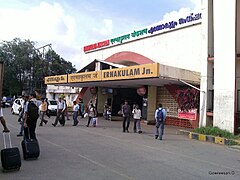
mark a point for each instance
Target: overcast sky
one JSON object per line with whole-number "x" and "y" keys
{"x": 71, "y": 24}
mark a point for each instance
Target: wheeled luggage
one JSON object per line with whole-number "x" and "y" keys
{"x": 10, "y": 156}
{"x": 30, "y": 148}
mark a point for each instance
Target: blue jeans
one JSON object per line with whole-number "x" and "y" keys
{"x": 75, "y": 115}
{"x": 137, "y": 125}
{"x": 159, "y": 129}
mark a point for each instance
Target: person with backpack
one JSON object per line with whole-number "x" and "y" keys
{"x": 160, "y": 116}
{"x": 31, "y": 114}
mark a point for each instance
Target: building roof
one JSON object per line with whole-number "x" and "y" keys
{"x": 91, "y": 65}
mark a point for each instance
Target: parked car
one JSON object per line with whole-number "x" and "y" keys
{"x": 16, "y": 105}
{"x": 52, "y": 107}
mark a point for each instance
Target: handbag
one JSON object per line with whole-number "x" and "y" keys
{"x": 120, "y": 112}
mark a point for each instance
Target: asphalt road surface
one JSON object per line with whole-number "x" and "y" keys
{"x": 106, "y": 153}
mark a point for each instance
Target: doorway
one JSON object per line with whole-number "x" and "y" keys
{"x": 120, "y": 95}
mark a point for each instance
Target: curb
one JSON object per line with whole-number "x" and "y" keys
{"x": 209, "y": 138}
{"x": 237, "y": 147}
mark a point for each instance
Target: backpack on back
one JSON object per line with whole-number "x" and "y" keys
{"x": 160, "y": 115}
{"x": 33, "y": 111}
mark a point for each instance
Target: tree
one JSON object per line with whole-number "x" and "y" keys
{"x": 25, "y": 68}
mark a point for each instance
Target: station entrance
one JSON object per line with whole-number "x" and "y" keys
{"x": 122, "y": 94}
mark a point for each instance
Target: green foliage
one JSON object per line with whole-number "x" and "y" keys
{"x": 232, "y": 143}
{"x": 25, "y": 68}
{"x": 215, "y": 131}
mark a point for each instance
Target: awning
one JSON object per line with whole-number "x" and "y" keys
{"x": 154, "y": 74}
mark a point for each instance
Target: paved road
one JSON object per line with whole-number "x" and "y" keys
{"x": 106, "y": 153}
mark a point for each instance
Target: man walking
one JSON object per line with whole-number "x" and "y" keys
{"x": 43, "y": 111}
{"x": 61, "y": 106}
{"x": 126, "y": 112}
{"x": 160, "y": 116}
{"x": 25, "y": 98}
{"x": 31, "y": 114}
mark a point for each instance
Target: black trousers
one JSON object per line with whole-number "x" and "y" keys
{"x": 60, "y": 114}
{"x": 29, "y": 132}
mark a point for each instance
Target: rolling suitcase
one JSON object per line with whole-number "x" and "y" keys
{"x": 10, "y": 156}
{"x": 30, "y": 148}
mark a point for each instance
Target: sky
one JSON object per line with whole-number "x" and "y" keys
{"x": 68, "y": 25}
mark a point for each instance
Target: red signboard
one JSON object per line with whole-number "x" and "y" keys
{"x": 96, "y": 46}
{"x": 191, "y": 114}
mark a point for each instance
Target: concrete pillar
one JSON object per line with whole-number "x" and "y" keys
{"x": 101, "y": 100}
{"x": 152, "y": 102}
{"x": 224, "y": 63}
{"x": 204, "y": 64}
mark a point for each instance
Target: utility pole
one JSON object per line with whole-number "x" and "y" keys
{"x": 42, "y": 53}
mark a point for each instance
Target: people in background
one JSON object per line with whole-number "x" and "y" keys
{"x": 81, "y": 107}
{"x": 126, "y": 113}
{"x": 160, "y": 116}
{"x": 107, "y": 111}
{"x": 43, "y": 111}
{"x": 61, "y": 106}
{"x": 92, "y": 113}
{"x": 48, "y": 111}
{"x": 75, "y": 113}
{"x": 137, "y": 118}
{"x": 66, "y": 110}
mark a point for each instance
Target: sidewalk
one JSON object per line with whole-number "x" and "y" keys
{"x": 170, "y": 132}
{"x": 147, "y": 129}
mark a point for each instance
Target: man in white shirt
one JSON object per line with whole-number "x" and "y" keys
{"x": 61, "y": 106}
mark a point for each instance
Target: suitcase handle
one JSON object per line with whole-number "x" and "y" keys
{"x": 24, "y": 135}
{"x": 4, "y": 139}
